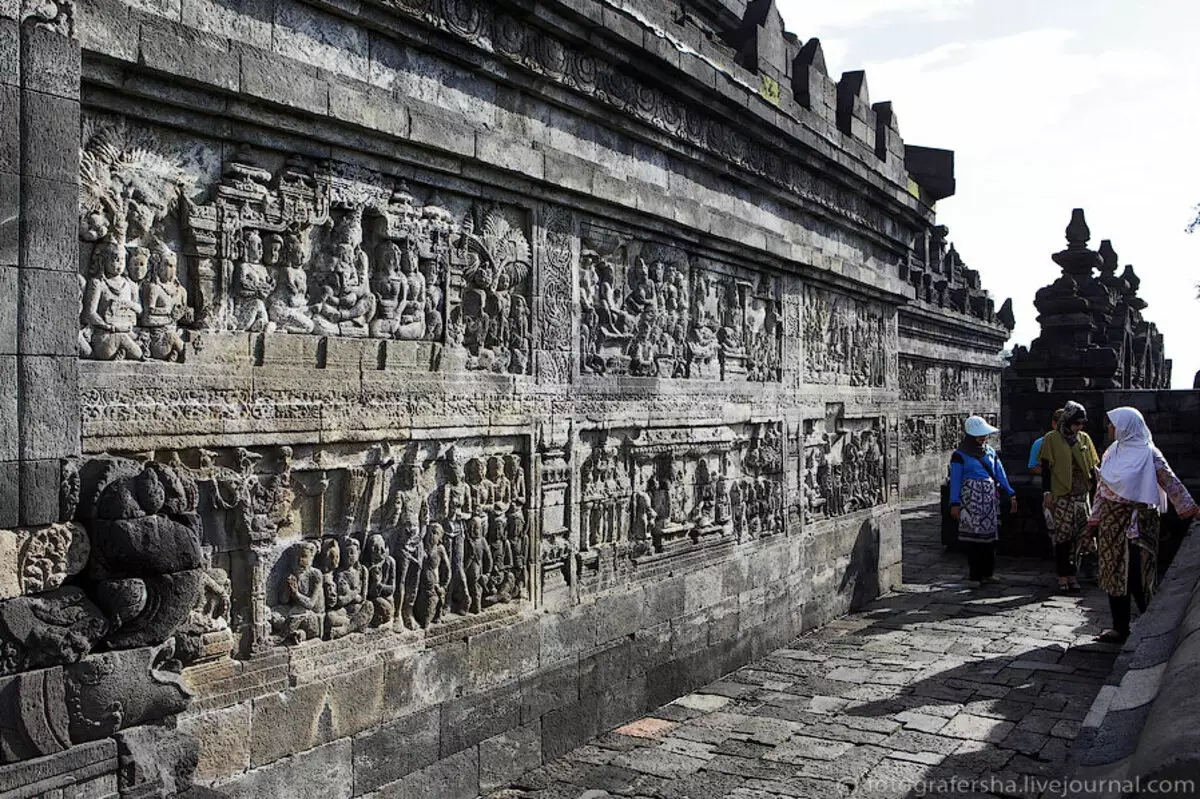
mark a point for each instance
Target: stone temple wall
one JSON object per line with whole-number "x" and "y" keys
{"x": 407, "y": 391}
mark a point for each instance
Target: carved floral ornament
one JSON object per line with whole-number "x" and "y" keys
{"x": 303, "y": 249}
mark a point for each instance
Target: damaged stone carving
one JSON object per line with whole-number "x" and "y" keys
{"x": 846, "y": 340}
{"x": 844, "y": 465}
{"x": 648, "y": 310}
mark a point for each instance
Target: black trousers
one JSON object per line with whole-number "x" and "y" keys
{"x": 1064, "y": 563}
{"x": 1122, "y": 606}
{"x": 981, "y": 559}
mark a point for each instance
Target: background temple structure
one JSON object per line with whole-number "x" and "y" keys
{"x": 403, "y": 392}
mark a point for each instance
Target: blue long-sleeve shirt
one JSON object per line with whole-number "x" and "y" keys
{"x": 965, "y": 467}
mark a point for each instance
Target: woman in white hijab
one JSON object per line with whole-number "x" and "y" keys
{"x": 1134, "y": 485}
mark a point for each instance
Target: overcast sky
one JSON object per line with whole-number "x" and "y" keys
{"x": 1049, "y": 105}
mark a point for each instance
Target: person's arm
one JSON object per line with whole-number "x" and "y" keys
{"x": 1001, "y": 475}
{"x": 1177, "y": 492}
{"x": 1046, "y": 477}
{"x": 1035, "y": 456}
{"x": 956, "y": 478}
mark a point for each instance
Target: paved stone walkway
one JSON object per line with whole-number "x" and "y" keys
{"x": 935, "y": 690}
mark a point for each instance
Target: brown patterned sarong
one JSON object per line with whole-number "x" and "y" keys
{"x": 1115, "y": 518}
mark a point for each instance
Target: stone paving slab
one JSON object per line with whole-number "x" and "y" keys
{"x": 934, "y": 690}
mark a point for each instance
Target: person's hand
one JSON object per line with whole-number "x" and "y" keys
{"x": 954, "y": 512}
{"x": 1093, "y": 523}
{"x": 1048, "y": 501}
{"x": 1012, "y": 505}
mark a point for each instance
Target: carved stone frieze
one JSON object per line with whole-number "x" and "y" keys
{"x": 921, "y": 433}
{"x": 656, "y": 489}
{"x": 844, "y": 464}
{"x": 512, "y": 37}
{"x": 846, "y": 341}
{"x": 301, "y": 248}
{"x": 650, "y": 310}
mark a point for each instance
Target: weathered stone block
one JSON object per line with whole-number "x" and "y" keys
{"x": 10, "y": 47}
{"x": 46, "y": 329}
{"x": 50, "y": 138}
{"x": 10, "y": 128}
{"x": 9, "y": 418}
{"x": 286, "y": 723}
{"x": 189, "y": 54}
{"x": 50, "y": 63}
{"x": 566, "y": 633}
{"x": 368, "y": 107}
{"x": 10, "y": 250}
{"x": 569, "y": 727}
{"x": 326, "y": 771}
{"x": 396, "y": 750}
{"x": 456, "y": 777}
{"x": 40, "y": 496}
{"x": 602, "y": 668}
{"x": 224, "y": 739}
{"x": 104, "y": 26}
{"x": 250, "y": 21}
{"x": 467, "y": 721}
{"x": 549, "y": 689}
{"x": 279, "y": 80}
{"x": 509, "y": 755}
{"x": 40, "y": 559}
{"x": 50, "y": 238}
{"x": 44, "y": 775}
{"x": 10, "y": 491}
{"x": 315, "y": 37}
{"x": 501, "y": 655}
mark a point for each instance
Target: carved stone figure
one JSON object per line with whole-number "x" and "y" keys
{"x": 348, "y": 610}
{"x": 252, "y": 285}
{"x": 111, "y": 306}
{"x": 164, "y": 306}
{"x": 381, "y": 580}
{"x": 300, "y": 614}
{"x": 346, "y": 304}
{"x": 477, "y": 564}
{"x": 435, "y": 577}
{"x": 289, "y": 307}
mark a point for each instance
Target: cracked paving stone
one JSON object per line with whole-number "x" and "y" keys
{"x": 977, "y": 728}
{"x": 801, "y": 748}
{"x": 921, "y": 722}
{"x": 659, "y": 763}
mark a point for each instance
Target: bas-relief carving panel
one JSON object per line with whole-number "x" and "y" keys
{"x": 846, "y": 341}
{"x": 655, "y": 490}
{"x": 176, "y": 243}
{"x": 843, "y": 463}
{"x": 921, "y": 381}
{"x": 654, "y": 310}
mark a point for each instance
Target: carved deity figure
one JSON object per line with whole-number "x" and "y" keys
{"x": 641, "y": 527}
{"x": 164, "y": 306}
{"x": 381, "y": 580}
{"x": 737, "y": 508}
{"x": 346, "y": 304}
{"x": 406, "y": 520}
{"x": 289, "y": 307}
{"x": 411, "y": 318}
{"x": 435, "y": 576}
{"x": 252, "y": 285}
{"x": 477, "y": 563}
{"x": 301, "y": 611}
{"x": 212, "y": 609}
{"x": 111, "y": 306}
{"x": 457, "y": 509}
{"x": 348, "y": 610}
{"x": 391, "y": 291}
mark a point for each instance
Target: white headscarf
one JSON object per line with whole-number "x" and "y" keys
{"x": 1128, "y": 465}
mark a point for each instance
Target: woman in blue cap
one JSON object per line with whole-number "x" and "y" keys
{"x": 976, "y": 479}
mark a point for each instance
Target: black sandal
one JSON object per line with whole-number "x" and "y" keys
{"x": 1112, "y": 637}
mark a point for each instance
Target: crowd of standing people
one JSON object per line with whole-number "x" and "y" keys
{"x": 1109, "y": 506}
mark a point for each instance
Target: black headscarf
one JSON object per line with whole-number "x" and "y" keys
{"x": 969, "y": 446}
{"x": 1073, "y": 413}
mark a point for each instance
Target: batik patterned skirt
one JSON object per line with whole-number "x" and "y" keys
{"x": 1114, "y": 543}
{"x": 979, "y": 514}
{"x": 1070, "y": 514}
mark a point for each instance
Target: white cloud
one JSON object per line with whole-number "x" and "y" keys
{"x": 809, "y": 18}
{"x": 1050, "y": 119}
